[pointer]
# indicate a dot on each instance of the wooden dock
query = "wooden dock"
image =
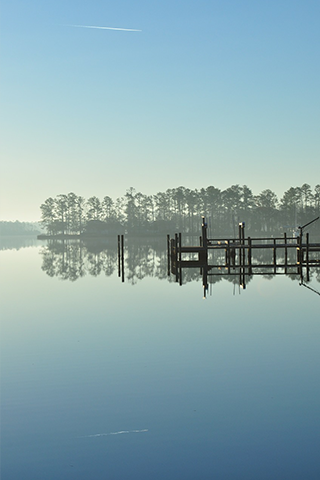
(242, 255)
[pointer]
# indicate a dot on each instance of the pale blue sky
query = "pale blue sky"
(209, 93)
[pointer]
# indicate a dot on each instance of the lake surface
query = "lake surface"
(146, 380)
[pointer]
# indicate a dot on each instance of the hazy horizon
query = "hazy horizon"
(207, 93)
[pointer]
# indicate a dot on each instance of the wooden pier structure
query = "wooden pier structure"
(238, 256)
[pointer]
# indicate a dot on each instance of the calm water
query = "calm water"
(146, 380)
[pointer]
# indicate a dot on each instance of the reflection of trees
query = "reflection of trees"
(73, 259)
(142, 261)
(63, 259)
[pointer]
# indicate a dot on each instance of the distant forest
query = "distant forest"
(19, 228)
(180, 210)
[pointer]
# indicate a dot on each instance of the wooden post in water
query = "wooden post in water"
(173, 256)
(227, 254)
(122, 257)
(285, 253)
(298, 251)
(250, 255)
(228, 259)
(307, 257)
(119, 258)
(275, 255)
(243, 243)
(203, 254)
(180, 268)
(176, 256)
(168, 255)
(240, 240)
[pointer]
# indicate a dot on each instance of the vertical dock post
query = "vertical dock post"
(243, 243)
(119, 257)
(203, 254)
(285, 253)
(275, 255)
(299, 243)
(176, 256)
(179, 257)
(307, 249)
(227, 254)
(250, 255)
(122, 257)
(168, 255)
(240, 240)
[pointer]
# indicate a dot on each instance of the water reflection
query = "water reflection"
(72, 260)
(85, 362)
(17, 242)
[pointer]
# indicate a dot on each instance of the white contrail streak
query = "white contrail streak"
(116, 433)
(105, 28)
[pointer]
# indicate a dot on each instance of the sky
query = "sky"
(215, 92)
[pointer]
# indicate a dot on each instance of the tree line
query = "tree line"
(180, 209)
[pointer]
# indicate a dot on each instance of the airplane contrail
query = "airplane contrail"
(105, 28)
(115, 433)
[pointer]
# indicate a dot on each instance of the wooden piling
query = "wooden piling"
(275, 255)
(122, 257)
(203, 253)
(168, 255)
(285, 253)
(299, 250)
(249, 251)
(119, 257)
(240, 249)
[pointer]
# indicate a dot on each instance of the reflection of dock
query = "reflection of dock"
(242, 256)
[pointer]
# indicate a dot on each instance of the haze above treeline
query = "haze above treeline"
(180, 209)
